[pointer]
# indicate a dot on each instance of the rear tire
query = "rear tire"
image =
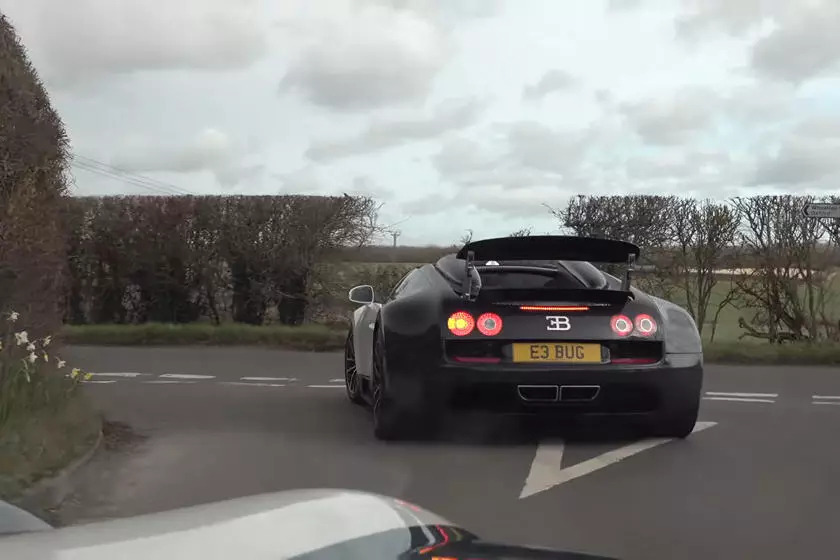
(388, 423)
(352, 379)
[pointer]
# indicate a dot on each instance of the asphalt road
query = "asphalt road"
(757, 480)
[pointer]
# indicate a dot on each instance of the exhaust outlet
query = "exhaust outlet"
(538, 393)
(578, 393)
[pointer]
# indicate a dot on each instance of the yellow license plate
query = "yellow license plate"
(557, 352)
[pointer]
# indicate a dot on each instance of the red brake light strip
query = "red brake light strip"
(554, 308)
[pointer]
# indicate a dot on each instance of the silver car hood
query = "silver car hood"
(282, 525)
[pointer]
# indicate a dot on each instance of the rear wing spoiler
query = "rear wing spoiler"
(549, 247)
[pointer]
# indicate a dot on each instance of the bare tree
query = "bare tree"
(704, 234)
(641, 219)
(524, 232)
(788, 285)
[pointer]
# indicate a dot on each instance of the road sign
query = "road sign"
(821, 210)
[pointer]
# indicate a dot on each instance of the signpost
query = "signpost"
(821, 210)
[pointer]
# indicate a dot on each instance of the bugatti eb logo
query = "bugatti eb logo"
(557, 323)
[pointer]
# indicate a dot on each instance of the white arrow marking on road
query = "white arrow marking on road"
(743, 395)
(547, 469)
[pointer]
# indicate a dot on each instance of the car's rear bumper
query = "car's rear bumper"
(659, 389)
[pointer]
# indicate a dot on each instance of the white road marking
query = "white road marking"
(167, 382)
(103, 381)
(547, 467)
(117, 374)
(832, 397)
(241, 384)
(186, 376)
(738, 399)
(747, 395)
(336, 380)
(268, 379)
(835, 403)
(325, 386)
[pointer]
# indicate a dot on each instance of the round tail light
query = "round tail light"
(621, 325)
(645, 325)
(489, 324)
(460, 323)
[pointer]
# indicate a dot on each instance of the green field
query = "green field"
(383, 275)
(331, 311)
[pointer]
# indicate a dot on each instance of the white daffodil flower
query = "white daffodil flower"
(13, 316)
(32, 357)
(60, 363)
(21, 338)
(47, 341)
(30, 347)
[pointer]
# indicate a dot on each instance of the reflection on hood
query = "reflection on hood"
(300, 524)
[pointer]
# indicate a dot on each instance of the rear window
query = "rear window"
(527, 280)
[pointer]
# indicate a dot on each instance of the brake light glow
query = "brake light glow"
(489, 324)
(554, 308)
(460, 323)
(621, 325)
(645, 325)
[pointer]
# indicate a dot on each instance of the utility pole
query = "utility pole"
(395, 234)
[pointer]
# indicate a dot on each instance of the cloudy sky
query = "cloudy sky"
(455, 114)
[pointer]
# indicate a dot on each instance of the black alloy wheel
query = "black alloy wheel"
(352, 380)
(385, 420)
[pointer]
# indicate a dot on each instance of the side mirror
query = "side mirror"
(361, 294)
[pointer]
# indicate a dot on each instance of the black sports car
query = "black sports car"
(524, 325)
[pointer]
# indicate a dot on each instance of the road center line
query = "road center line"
(268, 379)
(186, 376)
(118, 374)
(241, 384)
(835, 403)
(832, 397)
(168, 382)
(102, 381)
(738, 399)
(325, 386)
(746, 395)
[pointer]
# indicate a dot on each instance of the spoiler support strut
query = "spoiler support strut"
(628, 274)
(466, 285)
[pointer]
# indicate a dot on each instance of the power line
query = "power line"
(105, 170)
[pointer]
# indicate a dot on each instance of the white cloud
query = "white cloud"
(460, 113)
(386, 133)
(552, 81)
(75, 42)
(357, 56)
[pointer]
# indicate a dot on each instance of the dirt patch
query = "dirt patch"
(119, 436)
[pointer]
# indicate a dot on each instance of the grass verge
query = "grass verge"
(43, 441)
(307, 337)
(330, 338)
(772, 354)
